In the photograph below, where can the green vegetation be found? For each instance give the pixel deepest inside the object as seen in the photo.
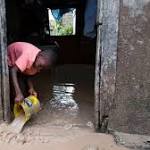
(57, 28)
(64, 29)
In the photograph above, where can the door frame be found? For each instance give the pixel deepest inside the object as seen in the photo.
(106, 60)
(4, 73)
(105, 63)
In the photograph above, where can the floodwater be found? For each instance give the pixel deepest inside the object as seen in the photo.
(67, 116)
(69, 98)
(67, 101)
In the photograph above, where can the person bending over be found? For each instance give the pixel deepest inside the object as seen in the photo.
(26, 59)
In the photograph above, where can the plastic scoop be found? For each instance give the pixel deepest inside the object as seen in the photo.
(23, 112)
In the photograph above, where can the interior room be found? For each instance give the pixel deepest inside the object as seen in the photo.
(66, 92)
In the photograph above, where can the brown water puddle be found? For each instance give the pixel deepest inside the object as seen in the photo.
(68, 107)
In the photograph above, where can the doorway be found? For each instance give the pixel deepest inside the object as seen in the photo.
(106, 52)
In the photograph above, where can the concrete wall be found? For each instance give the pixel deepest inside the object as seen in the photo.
(132, 110)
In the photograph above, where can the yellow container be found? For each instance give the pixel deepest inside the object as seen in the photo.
(27, 107)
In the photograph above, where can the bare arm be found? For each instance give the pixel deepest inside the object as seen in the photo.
(19, 95)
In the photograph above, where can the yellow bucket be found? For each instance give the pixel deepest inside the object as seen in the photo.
(27, 107)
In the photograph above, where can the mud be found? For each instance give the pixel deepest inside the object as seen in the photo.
(66, 120)
(67, 98)
(82, 142)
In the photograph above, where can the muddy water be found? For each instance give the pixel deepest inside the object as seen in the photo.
(67, 98)
(66, 119)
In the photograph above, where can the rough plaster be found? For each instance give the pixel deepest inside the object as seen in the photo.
(132, 101)
(136, 7)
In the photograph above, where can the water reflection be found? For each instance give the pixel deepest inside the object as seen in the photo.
(62, 99)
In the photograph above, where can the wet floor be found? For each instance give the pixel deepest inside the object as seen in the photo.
(67, 96)
(67, 115)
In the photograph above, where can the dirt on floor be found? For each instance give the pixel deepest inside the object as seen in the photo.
(66, 121)
(59, 139)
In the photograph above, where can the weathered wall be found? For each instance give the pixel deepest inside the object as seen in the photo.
(132, 111)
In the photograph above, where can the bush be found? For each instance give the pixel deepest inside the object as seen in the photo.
(64, 30)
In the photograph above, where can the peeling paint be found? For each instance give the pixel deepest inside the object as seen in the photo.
(136, 7)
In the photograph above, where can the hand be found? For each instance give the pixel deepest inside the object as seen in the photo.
(19, 98)
(32, 92)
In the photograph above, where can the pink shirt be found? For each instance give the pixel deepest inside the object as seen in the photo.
(23, 55)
